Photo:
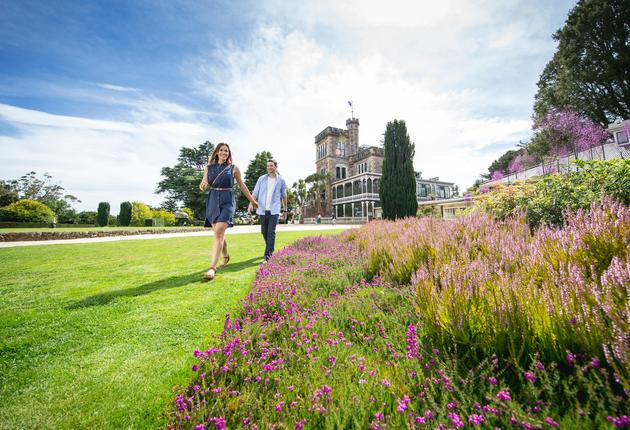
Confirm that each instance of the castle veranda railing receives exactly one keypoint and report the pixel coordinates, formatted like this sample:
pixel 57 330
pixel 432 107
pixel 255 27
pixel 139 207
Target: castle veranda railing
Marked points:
pixel 355 198
pixel 563 164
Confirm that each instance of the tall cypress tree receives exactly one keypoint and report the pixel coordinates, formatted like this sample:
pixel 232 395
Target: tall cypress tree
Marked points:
pixel 102 217
pixel 398 183
pixel 124 217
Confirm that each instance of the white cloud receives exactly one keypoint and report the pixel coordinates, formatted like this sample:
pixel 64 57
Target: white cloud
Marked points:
pixel 461 74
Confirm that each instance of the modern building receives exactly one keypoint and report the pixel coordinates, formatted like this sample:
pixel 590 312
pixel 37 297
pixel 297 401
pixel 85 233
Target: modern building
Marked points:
pixel 354 172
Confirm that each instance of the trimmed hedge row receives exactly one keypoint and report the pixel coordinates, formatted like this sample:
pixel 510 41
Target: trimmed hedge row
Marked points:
pixel 60 235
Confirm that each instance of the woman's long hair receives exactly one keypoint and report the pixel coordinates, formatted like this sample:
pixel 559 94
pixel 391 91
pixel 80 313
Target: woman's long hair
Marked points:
pixel 214 158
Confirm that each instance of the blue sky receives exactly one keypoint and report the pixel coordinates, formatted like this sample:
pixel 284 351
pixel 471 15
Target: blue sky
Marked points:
pixel 103 94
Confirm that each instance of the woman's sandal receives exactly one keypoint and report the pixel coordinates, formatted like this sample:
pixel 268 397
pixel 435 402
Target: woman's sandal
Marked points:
pixel 226 260
pixel 210 274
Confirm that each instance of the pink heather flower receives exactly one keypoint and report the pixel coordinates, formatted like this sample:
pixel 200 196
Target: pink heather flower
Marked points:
pixel 595 362
pixel 504 395
pixel 385 382
pixel 456 420
pixel 530 376
pixel 194 367
pixel 421 420
pixel 299 425
pixel 551 423
pixel 492 380
pixel 219 422
pixel 475 419
pixel 428 414
pixel 540 366
pixel 621 422
pixel 279 406
pixel 200 427
pixel 484 190
pixel 570 358
pixel 197 353
pixel 451 406
pixel 496 175
pixel 332 359
pixel 412 342
pixel 402 404
pixel 379 416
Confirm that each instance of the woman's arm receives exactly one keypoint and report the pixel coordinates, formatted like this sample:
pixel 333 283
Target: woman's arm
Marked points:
pixel 243 187
pixel 204 181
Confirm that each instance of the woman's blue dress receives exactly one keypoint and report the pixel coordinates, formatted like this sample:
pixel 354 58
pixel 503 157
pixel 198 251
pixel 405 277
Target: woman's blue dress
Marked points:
pixel 220 204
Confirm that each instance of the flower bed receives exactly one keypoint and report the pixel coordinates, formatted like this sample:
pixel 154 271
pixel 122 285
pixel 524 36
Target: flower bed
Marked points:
pixel 429 324
pixel 63 235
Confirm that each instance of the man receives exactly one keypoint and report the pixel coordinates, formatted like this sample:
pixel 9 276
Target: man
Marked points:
pixel 271 193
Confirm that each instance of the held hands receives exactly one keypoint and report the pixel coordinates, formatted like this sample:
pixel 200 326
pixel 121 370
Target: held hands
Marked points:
pixel 203 184
pixel 253 205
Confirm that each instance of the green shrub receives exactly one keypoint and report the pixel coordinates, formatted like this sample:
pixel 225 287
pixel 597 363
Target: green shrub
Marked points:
pixel 140 212
pixel 168 217
pixel 124 217
pixel 102 216
pixel 27 211
pixel 546 199
pixel 86 218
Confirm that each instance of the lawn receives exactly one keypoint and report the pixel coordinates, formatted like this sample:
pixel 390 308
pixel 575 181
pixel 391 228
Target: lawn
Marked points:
pixel 97 335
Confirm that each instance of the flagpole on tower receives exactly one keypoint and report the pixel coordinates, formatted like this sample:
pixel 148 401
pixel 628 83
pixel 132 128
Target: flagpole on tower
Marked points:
pixel 351 109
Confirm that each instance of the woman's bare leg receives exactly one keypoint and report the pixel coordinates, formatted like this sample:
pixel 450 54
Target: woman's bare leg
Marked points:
pixel 219 239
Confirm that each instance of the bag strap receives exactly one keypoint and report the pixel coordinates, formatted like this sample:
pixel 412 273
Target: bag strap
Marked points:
pixel 219 175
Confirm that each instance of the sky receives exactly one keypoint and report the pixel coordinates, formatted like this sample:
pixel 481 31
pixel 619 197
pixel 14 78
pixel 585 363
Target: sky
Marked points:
pixel 102 95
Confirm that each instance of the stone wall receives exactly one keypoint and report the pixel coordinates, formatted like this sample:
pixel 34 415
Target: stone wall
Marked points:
pixel 61 235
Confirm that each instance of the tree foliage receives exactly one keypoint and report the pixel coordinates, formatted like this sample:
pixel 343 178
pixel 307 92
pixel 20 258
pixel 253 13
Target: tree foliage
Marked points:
pixel 27 211
pixel 181 182
pixel 102 217
pixel 124 216
pixel 255 169
pixel 398 183
pixel 590 71
pixel 139 213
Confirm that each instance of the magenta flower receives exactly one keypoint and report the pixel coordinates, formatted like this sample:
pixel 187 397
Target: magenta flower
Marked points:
pixel 595 363
pixel 412 342
pixel 492 380
pixel 530 376
pixel 279 406
pixel 504 396
pixel 379 416
pixel 200 427
pixel 456 421
pixel 620 422
pixel 551 423
pixel 475 419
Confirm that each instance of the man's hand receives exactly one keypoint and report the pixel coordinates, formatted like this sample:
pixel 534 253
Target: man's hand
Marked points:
pixel 250 208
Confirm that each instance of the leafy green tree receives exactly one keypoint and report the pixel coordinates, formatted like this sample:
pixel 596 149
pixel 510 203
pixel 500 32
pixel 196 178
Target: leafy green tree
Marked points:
pixel 398 183
pixel 43 190
pixel 589 71
pixel 124 216
pixel 27 211
pixel 255 169
pixel 86 218
pixel 102 217
pixel 181 182
pixel 502 163
pixel 139 213
pixel 8 194
pixel 317 185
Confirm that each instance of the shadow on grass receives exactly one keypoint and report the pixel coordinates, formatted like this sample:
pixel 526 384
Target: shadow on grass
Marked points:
pixel 162 284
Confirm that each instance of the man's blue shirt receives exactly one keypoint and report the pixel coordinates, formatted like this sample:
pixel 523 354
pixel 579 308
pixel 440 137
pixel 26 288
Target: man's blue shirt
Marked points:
pixel 260 193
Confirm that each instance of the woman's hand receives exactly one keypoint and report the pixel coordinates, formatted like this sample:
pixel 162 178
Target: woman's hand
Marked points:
pixel 203 184
pixel 254 204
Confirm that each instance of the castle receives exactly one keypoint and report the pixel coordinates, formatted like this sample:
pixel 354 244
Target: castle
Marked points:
pixel 353 172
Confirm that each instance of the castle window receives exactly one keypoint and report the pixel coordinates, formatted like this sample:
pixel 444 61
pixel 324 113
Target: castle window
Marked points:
pixel 341 149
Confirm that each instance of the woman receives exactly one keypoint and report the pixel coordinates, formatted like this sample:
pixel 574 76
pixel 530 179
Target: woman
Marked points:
pixel 218 177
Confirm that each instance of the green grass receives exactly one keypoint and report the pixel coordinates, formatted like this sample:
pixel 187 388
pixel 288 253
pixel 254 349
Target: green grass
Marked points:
pixel 97 335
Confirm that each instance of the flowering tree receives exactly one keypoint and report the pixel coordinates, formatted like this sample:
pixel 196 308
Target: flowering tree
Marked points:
pixel 566 131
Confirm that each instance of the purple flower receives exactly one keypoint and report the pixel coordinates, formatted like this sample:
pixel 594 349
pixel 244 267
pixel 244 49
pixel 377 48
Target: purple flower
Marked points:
pixel 595 363
pixel 475 419
pixel 412 342
pixel 570 358
pixel 379 416
pixel 530 376
pixel 551 423
pixel 455 420
pixel 620 422
pixel 504 396
pixel 492 380
pixel 279 406
pixel 194 367
pixel 428 414
pixel 200 427
pixel 540 366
